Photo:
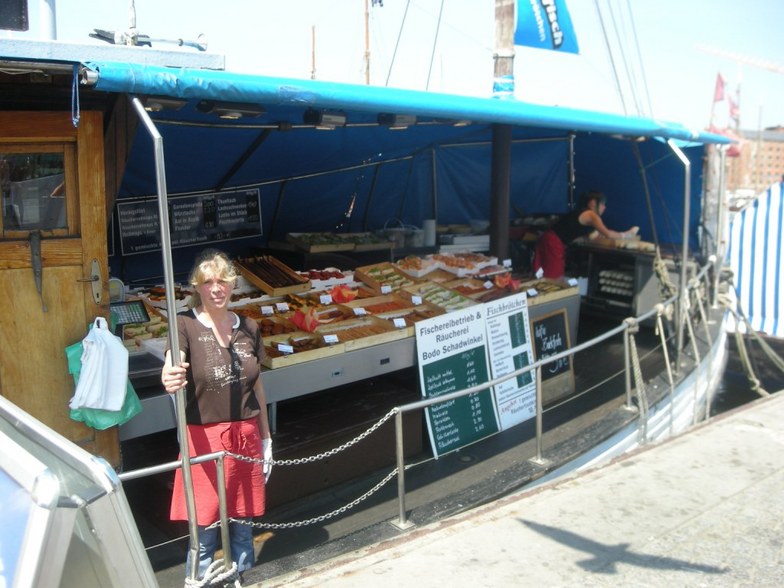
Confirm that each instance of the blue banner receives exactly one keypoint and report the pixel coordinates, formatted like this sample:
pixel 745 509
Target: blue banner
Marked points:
pixel 545 24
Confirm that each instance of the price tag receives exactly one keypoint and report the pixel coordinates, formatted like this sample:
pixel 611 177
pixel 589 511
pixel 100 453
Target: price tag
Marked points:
pixel 488 284
pixel 400 323
pixel 359 311
pixel 267 310
pixel 507 263
pixel 416 300
pixel 532 292
pixel 539 273
pixel 282 306
pixel 283 348
pixel 325 299
pixel 330 339
pixel 572 282
pixel 386 289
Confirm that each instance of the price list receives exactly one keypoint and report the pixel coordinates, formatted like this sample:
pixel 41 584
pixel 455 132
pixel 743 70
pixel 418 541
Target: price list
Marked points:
pixel 202 218
pixel 452 356
pixel 510 348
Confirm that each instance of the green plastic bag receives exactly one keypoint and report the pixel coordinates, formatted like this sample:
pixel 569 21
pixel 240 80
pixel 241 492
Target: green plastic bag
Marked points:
pixel 95 417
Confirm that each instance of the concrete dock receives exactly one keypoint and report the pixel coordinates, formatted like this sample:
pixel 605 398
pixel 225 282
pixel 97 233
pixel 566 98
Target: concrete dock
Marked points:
pixel 703 509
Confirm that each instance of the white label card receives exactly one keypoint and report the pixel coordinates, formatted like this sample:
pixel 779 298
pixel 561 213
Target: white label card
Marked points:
pixel 399 323
pixel 265 310
pixel 325 299
pixel 532 292
pixel 416 300
pixel 507 263
pixel 282 306
pixel 386 289
pixel 330 339
pixel 359 311
pixel 283 348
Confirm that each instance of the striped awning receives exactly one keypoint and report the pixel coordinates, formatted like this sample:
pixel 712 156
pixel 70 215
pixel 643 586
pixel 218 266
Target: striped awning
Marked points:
pixel 755 257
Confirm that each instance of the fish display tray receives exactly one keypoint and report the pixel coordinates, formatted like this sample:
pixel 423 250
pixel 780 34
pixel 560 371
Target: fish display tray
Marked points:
pixel 272 276
pixel 273 361
pixel 381 274
pixel 362 332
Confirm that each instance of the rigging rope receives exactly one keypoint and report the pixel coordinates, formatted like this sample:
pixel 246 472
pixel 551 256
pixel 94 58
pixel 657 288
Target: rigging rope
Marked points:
pixel 639 383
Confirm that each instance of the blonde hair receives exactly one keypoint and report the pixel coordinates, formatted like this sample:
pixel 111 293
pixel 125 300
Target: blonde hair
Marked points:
pixel 210 264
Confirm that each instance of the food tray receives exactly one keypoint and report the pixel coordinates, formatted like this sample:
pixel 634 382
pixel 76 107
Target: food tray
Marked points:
pixel 269 324
pixel 411 316
pixel 319 242
pixel 272 276
pixel 320 350
pixel 549 290
pixel 380 274
pixel 366 241
pixel 438 295
pixel 363 332
pixel 464 263
pixel 416 266
pixel 469 287
pixel 155 296
pixel 380 304
pixel 327 277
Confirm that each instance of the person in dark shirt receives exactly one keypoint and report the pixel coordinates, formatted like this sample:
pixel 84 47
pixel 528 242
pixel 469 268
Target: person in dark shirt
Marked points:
pixel 584 221
pixel 225 410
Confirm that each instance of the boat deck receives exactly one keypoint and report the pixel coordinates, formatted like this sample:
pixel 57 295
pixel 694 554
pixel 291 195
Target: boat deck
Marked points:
pixel 435 489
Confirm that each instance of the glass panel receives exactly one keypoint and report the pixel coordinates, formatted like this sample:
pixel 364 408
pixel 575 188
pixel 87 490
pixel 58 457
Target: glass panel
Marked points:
pixel 32 188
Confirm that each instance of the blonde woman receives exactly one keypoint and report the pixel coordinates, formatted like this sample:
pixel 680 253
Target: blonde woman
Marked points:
pixel 225 409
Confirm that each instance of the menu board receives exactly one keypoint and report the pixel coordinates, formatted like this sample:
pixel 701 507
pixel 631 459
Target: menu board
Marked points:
pixel 193 219
pixel 452 356
pixel 510 350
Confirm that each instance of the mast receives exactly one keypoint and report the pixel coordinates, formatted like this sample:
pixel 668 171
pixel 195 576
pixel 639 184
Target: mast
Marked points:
pixel 503 88
pixel 367 44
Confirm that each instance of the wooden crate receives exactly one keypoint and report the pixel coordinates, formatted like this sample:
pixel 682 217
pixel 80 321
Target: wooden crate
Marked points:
pixel 549 290
pixel 380 274
pixel 366 241
pixel 380 304
pixel 363 332
pixel 411 316
pixel 439 296
pixel 324 350
pixel 253 268
pixel 319 242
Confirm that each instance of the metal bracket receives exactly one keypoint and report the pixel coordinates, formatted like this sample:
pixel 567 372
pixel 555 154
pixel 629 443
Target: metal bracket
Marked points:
pixel 95 281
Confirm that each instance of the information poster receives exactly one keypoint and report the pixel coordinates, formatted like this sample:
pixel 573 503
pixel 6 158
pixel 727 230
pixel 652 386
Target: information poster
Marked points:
pixel 452 356
pixel 510 350
pixel 202 218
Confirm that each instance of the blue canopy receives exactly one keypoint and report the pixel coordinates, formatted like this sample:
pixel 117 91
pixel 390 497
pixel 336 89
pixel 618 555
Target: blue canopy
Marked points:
pixel 359 176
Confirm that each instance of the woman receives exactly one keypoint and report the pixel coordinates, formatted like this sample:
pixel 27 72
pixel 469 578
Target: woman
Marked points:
pixel 585 221
pixel 225 409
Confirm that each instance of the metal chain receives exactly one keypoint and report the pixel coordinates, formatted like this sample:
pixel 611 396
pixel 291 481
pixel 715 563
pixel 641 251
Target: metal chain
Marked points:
pixel 318 519
pixel 320 456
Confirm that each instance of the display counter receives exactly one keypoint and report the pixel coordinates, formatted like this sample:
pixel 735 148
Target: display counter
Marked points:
pixel 622 282
pixel 375 354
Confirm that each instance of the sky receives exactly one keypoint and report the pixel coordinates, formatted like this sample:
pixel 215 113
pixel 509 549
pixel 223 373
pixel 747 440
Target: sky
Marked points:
pixel 667 53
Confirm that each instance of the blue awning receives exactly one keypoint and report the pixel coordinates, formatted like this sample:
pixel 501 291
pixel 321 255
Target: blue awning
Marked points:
pixel 284 97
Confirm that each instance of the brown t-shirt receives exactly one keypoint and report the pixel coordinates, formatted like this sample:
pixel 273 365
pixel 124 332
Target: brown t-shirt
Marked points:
pixel 220 379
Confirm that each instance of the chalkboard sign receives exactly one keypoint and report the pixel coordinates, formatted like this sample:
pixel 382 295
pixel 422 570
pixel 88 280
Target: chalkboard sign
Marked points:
pixel 452 356
pixel 194 219
pixel 550 334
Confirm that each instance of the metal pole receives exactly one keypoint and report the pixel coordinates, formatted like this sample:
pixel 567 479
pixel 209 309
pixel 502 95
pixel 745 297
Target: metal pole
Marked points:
pixel 685 248
pixel 402 523
pixel 538 458
pixel 220 476
pixel 721 249
pixel 627 366
pixel 174 341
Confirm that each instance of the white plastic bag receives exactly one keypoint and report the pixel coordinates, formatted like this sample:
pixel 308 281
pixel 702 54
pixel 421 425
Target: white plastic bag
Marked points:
pixel 104 375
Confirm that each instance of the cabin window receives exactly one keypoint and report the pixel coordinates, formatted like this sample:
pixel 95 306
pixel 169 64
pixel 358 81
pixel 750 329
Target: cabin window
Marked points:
pixel 35 187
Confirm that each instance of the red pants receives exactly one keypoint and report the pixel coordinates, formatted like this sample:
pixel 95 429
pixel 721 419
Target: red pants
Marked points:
pixel 550 255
